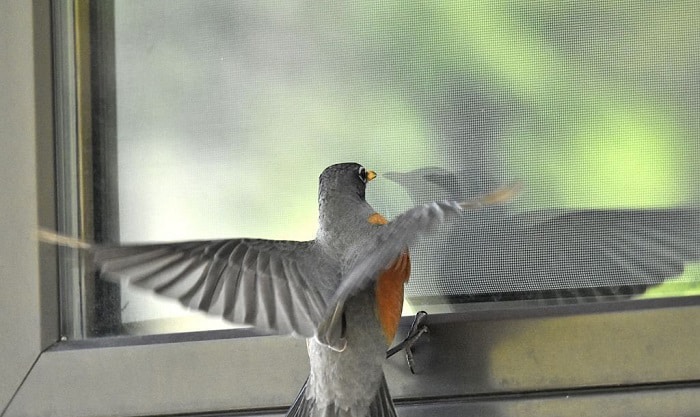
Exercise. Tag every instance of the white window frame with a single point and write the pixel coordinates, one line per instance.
(630, 359)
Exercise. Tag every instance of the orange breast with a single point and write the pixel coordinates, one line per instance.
(389, 290)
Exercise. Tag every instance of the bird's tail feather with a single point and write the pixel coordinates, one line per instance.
(302, 405)
(305, 406)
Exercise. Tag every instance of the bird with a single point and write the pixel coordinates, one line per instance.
(553, 255)
(343, 290)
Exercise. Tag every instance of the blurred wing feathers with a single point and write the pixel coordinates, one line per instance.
(650, 245)
(548, 250)
(389, 241)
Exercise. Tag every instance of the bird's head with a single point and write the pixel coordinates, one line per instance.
(348, 178)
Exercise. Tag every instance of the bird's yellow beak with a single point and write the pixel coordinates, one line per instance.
(371, 175)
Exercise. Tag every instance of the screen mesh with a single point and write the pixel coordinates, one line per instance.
(227, 112)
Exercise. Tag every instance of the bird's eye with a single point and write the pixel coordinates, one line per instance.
(363, 174)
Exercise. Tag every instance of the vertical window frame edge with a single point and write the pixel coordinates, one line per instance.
(30, 194)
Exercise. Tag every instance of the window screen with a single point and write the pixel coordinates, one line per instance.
(225, 113)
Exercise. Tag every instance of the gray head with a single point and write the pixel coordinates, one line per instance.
(347, 178)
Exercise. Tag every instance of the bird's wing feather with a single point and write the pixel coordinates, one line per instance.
(557, 249)
(376, 254)
(388, 241)
(650, 245)
(498, 251)
(278, 286)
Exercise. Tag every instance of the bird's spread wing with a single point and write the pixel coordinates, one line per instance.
(278, 286)
(616, 251)
(646, 245)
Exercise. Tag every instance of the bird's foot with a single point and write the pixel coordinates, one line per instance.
(417, 329)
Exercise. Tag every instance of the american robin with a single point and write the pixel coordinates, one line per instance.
(343, 290)
(561, 255)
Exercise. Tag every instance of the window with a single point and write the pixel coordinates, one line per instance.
(218, 117)
(196, 108)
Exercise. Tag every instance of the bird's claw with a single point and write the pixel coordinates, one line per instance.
(417, 329)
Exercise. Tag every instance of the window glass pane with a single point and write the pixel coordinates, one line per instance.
(227, 112)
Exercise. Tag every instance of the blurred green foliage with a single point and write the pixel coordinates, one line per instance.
(590, 104)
